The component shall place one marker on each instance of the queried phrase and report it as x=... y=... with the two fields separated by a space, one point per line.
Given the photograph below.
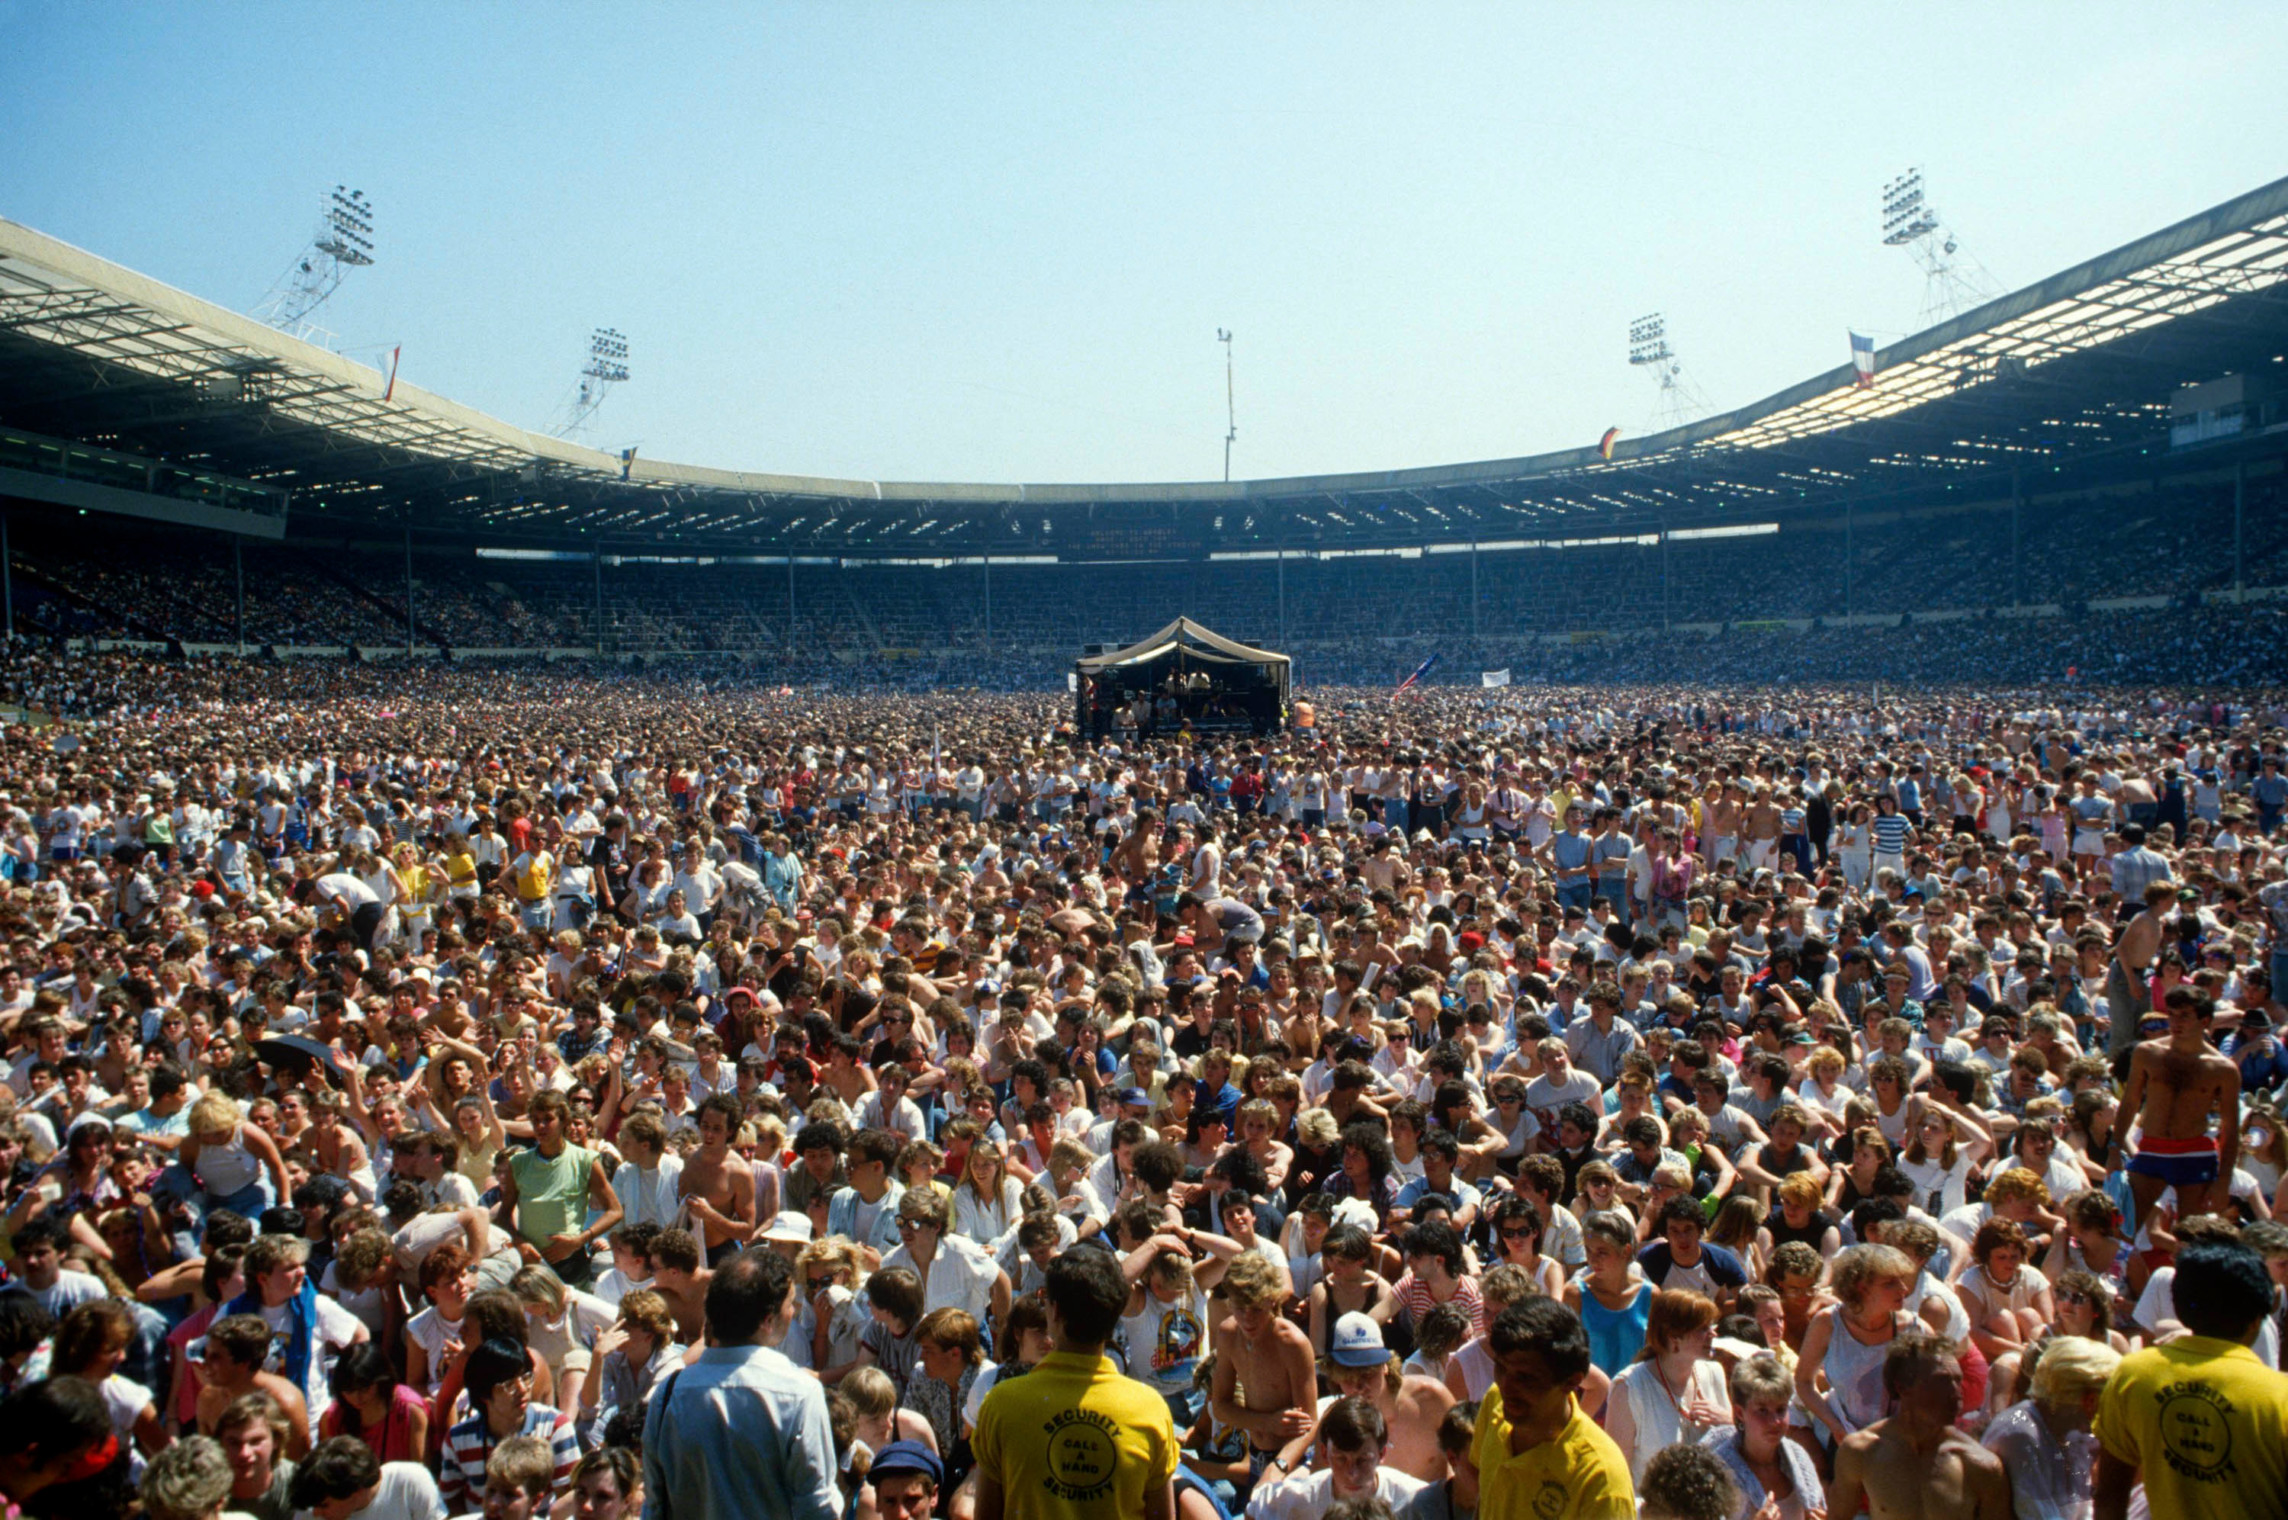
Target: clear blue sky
x=994 y=242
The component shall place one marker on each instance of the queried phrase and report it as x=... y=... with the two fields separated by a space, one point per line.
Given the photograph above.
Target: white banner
x=1493 y=677
x=1072 y=680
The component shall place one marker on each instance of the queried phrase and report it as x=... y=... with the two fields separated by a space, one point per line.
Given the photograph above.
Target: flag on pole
x=1605 y=444
x=1420 y=671
x=390 y=387
x=627 y=461
x=1863 y=360
x=1493 y=677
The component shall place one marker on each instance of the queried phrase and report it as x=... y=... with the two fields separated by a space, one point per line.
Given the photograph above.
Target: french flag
x=1863 y=360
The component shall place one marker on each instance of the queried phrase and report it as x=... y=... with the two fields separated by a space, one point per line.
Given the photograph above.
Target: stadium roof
x=2063 y=375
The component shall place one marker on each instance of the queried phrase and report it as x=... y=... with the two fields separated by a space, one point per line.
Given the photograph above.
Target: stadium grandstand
x=2082 y=475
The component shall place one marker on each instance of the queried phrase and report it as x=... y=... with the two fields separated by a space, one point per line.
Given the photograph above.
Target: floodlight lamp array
x=1648 y=340
x=607 y=355
x=349 y=227
x=1907 y=213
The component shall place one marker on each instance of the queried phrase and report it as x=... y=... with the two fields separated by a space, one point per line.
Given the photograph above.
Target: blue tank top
x=1615 y=1335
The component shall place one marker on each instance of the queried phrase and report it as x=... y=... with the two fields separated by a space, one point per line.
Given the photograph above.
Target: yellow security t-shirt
x=1073 y=1439
x=2206 y=1424
x=1579 y=1476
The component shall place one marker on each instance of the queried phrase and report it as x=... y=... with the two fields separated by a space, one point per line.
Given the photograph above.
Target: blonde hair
x=835 y=1253
x=647 y=1310
x=870 y=1391
x=215 y=1114
x=1861 y=1267
x=2018 y=1183
x=2071 y=1368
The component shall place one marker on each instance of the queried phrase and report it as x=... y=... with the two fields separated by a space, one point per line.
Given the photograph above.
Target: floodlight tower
x=1953 y=281
x=607 y=366
x=343 y=241
x=1680 y=400
x=1230 y=412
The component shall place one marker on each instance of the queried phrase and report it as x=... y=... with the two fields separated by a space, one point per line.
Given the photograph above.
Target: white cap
x=1357 y=1342
x=790 y=1226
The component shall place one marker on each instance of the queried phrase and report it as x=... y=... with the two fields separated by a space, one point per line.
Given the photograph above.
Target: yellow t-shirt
x=2206 y=1424
x=1073 y=1439
x=1579 y=1476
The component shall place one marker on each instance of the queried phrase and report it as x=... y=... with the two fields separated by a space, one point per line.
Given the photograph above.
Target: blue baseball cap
x=908 y=1457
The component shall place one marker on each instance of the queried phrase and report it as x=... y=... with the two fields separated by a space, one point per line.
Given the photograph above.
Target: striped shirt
x=1891 y=830
x=469 y=1445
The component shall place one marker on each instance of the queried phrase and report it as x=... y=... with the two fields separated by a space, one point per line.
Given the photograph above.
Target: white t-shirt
x=336 y=1329
x=1942 y=1187
x=433 y=1333
x=406 y=1492
x=349 y=889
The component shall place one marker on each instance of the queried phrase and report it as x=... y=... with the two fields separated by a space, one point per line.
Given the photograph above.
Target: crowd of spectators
x=540 y=1088
x=1347 y=617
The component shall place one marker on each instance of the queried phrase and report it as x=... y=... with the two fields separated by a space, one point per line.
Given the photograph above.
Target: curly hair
x=1861 y=1267
x=1687 y=1482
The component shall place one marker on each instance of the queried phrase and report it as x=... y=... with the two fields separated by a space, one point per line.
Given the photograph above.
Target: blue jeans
x=1576 y=894
x=1395 y=814
x=1183 y=1408
x=177 y=1183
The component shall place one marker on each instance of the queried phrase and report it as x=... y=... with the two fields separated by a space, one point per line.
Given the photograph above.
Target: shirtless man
x=1136 y=856
x=1760 y=829
x=1412 y=1407
x=2175 y=1085
x=717 y=1188
x=2127 y=976
x=1915 y=1465
x=1265 y=1383
x=678 y=1277
x=1720 y=825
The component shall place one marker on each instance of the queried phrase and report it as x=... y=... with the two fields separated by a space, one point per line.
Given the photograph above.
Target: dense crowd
x=1346 y=616
x=530 y=1090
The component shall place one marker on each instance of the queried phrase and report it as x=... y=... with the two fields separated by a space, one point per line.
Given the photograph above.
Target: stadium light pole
x=238 y=574
x=1230 y=410
x=988 y=601
x=2239 y=564
x=7 y=577
x=409 y=591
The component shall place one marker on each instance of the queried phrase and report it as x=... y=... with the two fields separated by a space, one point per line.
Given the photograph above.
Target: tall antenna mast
x=343 y=241
x=1953 y=281
x=1230 y=410
x=1680 y=400
x=607 y=366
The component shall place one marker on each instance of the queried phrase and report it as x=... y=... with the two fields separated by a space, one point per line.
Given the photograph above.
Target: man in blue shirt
x=1569 y=859
x=742 y=1431
x=2137 y=867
